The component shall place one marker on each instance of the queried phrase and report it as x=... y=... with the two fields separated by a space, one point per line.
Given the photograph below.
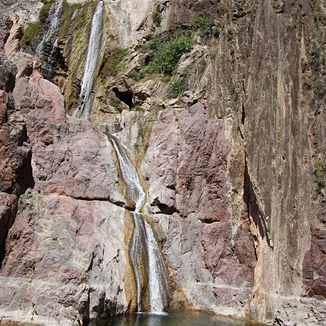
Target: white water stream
x=84 y=101
x=143 y=247
x=54 y=17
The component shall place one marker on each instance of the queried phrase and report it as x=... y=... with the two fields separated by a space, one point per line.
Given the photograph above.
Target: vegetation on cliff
x=111 y=66
x=33 y=28
x=67 y=14
x=166 y=51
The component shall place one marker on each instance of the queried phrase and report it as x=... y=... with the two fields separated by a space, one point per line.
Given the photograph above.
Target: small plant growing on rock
x=137 y=75
x=67 y=12
x=31 y=32
x=178 y=87
x=190 y=184
x=137 y=108
x=230 y=33
x=115 y=104
x=217 y=30
x=319 y=88
x=319 y=176
x=205 y=25
x=33 y=29
x=223 y=7
x=314 y=55
x=156 y=16
x=111 y=65
x=205 y=172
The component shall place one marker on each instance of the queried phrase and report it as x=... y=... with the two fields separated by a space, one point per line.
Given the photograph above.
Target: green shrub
x=205 y=25
x=314 y=55
x=319 y=176
x=178 y=87
x=137 y=75
x=167 y=53
x=115 y=104
x=156 y=16
x=217 y=30
x=111 y=65
x=31 y=32
x=230 y=32
x=319 y=88
x=249 y=10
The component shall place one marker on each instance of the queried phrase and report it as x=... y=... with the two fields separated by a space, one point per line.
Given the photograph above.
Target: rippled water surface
x=173 y=318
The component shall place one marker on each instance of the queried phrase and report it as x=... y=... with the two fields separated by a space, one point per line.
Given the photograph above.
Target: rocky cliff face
x=233 y=164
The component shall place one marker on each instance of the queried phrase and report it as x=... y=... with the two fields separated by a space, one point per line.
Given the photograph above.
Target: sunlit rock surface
x=233 y=168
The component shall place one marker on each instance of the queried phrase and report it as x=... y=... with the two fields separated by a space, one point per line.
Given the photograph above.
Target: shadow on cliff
x=249 y=198
x=19 y=156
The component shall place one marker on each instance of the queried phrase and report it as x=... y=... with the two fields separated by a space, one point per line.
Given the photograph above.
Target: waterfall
x=143 y=246
x=84 y=101
x=53 y=20
x=51 y=61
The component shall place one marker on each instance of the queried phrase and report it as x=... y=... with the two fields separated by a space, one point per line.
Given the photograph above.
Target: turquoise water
x=173 y=318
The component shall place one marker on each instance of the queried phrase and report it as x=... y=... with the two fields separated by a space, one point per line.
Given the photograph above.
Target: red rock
x=314 y=264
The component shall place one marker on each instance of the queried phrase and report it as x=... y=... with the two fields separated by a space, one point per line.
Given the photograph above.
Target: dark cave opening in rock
x=125 y=97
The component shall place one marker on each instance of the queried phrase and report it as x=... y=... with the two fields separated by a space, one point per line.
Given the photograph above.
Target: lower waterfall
x=144 y=251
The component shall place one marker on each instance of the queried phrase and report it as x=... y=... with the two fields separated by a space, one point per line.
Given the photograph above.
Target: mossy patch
x=66 y=20
x=178 y=87
x=156 y=16
x=31 y=32
x=319 y=176
x=82 y=24
x=112 y=65
x=205 y=25
x=33 y=28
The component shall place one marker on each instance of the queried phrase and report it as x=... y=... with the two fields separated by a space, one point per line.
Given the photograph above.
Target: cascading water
x=84 y=101
x=53 y=20
x=143 y=247
x=48 y=74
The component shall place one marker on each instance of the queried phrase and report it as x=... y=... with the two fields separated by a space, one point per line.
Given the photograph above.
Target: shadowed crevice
x=249 y=198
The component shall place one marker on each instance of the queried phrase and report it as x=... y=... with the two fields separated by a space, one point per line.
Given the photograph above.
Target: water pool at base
x=172 y=318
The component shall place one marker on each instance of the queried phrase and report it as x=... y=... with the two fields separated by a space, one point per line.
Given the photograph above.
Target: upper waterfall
x=84 y=101
x=54 y=17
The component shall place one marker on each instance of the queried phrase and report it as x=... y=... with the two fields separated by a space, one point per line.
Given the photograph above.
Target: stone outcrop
x=27 y=10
